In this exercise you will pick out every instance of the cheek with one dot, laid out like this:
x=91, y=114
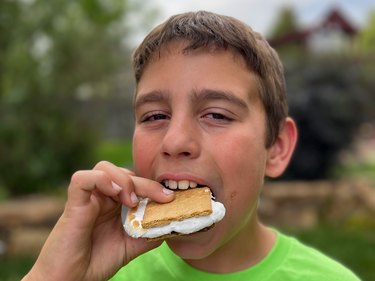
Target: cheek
x=241, y=157
x=143, y=152
x=243, y=166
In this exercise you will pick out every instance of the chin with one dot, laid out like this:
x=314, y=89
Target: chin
x=194, y=246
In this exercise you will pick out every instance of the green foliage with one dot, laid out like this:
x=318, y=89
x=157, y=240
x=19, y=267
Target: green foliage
x=40, y=145
x=13, y=269
x=103, y=12
x=286, y=22
x=51, y=54
x=287, y=26
x=355, y=170
x=366, y=40
x=116, y=152
x=352, y=247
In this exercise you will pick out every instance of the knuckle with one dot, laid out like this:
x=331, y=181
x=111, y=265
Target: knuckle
x=102, y=176
x=127, y=180
x=101, y=165
x=77, y=178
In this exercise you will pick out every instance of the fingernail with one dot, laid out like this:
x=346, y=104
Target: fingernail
x=116, y=187
x=134, y=198
x=167, y=191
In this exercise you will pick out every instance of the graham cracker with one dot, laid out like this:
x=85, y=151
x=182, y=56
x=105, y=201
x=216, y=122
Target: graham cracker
x=192, y=202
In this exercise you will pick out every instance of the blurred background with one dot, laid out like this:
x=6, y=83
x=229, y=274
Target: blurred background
x=66, y=88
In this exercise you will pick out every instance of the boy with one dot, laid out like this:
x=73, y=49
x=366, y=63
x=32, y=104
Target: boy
x=210, y=108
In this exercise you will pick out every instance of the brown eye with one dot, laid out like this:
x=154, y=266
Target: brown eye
x=217, y=116
x=155, y=117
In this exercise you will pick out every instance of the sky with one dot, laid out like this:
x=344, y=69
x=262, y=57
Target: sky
x=262, y=14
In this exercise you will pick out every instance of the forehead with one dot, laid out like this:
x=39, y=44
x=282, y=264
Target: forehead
x=182, y=47
x=218, y=67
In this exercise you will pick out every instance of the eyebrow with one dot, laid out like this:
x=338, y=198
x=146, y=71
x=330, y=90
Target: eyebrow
x=198, y=96
x=212, y=94
x=150, y=97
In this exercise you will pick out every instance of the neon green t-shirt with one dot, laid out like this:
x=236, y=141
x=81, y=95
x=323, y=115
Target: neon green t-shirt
x=288, y=260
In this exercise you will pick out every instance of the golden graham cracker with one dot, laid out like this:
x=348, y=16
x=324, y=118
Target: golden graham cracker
x=192, y=202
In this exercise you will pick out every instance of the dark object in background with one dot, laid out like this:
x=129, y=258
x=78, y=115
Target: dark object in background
x=326, y=98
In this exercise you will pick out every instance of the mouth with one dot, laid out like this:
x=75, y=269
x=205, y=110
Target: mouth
x=183, y=185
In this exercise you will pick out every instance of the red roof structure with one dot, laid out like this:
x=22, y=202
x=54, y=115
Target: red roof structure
x=335, y=20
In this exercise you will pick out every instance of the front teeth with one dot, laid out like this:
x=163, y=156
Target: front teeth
x=182, y=184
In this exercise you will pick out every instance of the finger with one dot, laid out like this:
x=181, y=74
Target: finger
x=146, y=188
x=121, y=180
x=130, y=172
x=83, y=183
x=152, y=189
x=132, y=186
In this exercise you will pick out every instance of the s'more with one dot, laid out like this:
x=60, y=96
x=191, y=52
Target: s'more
x=192, y=210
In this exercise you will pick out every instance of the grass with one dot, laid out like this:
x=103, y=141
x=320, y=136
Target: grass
x=352, y=247
x=118, y=152
x=13, y=269
x=350, y=170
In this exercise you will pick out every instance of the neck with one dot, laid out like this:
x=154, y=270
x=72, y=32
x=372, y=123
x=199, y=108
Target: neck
x=246, y=249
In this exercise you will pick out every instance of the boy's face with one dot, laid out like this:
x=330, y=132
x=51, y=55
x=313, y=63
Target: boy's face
x=199, y=118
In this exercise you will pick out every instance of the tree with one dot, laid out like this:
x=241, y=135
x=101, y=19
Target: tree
x=286, y=36
x=366, y=48
x=53, y=52
x=285, y=23
x=366, y=39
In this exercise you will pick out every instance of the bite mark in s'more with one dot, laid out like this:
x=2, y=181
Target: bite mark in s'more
x=191, y=211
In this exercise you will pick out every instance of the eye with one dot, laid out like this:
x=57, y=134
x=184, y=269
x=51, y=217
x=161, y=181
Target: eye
x=155, y=116
x=216, y=116
x=219, y=117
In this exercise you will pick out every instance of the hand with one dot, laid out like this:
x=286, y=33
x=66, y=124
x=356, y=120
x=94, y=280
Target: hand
x=88, y=242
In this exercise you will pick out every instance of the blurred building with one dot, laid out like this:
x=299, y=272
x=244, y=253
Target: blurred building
x=334, y=34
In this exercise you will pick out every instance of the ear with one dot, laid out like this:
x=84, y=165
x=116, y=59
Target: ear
x=281, y=151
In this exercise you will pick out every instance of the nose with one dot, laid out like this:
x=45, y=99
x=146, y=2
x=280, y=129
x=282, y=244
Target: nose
x=181, y=140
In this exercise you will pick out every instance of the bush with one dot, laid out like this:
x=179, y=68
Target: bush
x=41, y=144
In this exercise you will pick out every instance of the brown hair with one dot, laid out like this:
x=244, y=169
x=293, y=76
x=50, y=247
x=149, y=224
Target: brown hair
x=206, y=30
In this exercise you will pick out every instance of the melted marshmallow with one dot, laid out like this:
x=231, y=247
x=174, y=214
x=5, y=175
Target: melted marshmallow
x=186, y=226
